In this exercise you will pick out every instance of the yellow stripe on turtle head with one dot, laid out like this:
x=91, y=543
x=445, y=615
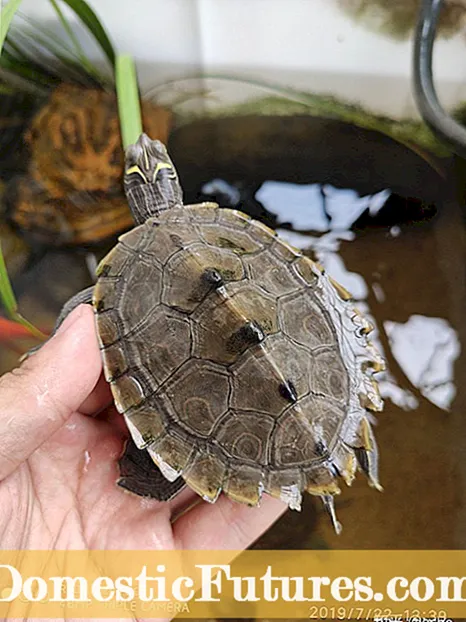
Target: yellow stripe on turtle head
x=136, y=169
x=160, y=166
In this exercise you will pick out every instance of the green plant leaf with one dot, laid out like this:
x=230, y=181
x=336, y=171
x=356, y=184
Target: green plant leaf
x=6, y=291
x=45, y=59
x=5, y=89
x=7, y=297
x=25, y=70
x=50, y=58
x=92, y=22
x=35, y=332
x=129, y=106
x=6, y=15
x=86, y=63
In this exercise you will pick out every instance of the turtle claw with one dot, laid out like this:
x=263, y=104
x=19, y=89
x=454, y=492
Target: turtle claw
x=329, y=505
x=368, y=462
x=367, y=454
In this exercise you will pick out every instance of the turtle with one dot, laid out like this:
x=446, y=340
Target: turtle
x=238, y=364
x=75, y=140
x=71, y=193
x=80, y=219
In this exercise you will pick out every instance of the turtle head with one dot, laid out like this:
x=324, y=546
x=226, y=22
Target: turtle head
x=150, y=179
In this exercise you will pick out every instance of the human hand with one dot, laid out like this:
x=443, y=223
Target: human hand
x=60, y=440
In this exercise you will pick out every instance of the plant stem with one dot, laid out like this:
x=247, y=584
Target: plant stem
x=128, y=100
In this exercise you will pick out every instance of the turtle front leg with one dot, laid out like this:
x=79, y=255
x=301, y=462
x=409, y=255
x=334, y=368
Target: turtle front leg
x=83, y=297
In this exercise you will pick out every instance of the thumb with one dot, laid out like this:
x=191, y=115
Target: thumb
x=39, y=396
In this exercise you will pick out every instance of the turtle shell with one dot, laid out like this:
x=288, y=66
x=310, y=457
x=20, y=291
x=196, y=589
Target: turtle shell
x=234, y=359
x=72, y=193
x=78, y=219
x=75, y=140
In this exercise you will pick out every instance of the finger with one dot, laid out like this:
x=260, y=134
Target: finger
x=226, y=524
x=39, y=396
x=183, y=502
x=115, y=419
x=100, y=399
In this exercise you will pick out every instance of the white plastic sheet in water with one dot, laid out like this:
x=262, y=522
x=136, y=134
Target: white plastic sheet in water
x=300, y=205
x=426, y=349
x=313, y=207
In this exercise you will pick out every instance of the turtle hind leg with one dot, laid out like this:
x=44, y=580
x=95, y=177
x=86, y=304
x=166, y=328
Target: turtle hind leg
x=141, y=476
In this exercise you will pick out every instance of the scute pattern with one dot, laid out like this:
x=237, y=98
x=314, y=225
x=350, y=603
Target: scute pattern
x=294, y=443
x=275, y=278
x=329, y=376
x=199, y=394
x=235, y=361
x=184, y=287
x=256, y=382
x=306, y=321
x=159, y=357
x=246, y=436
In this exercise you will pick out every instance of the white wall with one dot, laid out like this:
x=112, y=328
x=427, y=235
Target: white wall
x=309, y=44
